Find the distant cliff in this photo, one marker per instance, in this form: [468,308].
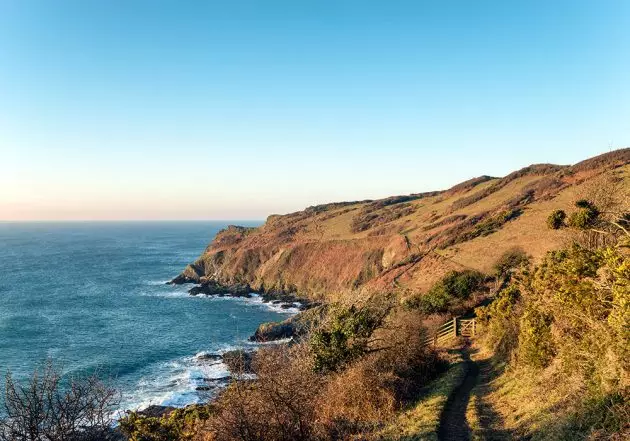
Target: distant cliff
[401,242]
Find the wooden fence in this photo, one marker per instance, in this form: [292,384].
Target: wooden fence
[464,327]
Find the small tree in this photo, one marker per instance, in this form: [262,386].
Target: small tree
[346,337]
[47,408]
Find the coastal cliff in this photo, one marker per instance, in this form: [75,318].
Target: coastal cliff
[401,242]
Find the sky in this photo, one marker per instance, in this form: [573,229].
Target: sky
[148,110]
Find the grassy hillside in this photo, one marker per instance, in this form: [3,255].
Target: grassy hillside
[403,242]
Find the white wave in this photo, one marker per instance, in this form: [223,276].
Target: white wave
[256,299]
[176,383]
[280,341]
[167,294]
[156,282]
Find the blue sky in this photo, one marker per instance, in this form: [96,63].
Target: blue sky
[238,109]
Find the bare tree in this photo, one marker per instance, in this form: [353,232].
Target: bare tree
[49,408]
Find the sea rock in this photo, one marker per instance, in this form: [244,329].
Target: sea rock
[181,279]
[205,356]
[292,327]
[213,288]
[213,383]
[156,411]
[239,361]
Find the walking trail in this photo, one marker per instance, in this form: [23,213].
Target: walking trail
[454,425]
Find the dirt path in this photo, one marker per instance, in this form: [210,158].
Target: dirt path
[453,423]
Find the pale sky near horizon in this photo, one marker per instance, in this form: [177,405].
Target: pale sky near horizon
[239,109]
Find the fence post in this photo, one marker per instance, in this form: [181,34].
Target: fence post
[454,326]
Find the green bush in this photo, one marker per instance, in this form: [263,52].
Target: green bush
[586,217]
[178,425]
[434,301]
[555,221]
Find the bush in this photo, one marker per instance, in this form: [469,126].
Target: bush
[509,261]
[277,406]
[500,321]
[435,301]
[49,408]
[585,217]
[536,346]
[346,337]
[454,288]
[556,219]
[178,425]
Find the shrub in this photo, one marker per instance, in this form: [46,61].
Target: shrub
[372,389]
[277,406]
[178,425]
[434,301]
[556,219]
[536,347]
[292,399]
[346,336]
[585,217]
[49,408]
[500,320]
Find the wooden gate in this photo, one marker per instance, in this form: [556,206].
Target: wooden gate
[452,329]
[466,327]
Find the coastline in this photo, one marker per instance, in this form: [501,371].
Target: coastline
[203,375]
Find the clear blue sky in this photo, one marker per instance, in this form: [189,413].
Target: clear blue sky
[237,109]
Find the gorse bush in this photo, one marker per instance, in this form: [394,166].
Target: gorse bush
[536,346]
[178,425]
[500,320]
[572,311]
[575,305]
[586,217]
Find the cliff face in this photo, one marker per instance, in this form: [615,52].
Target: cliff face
[404,242]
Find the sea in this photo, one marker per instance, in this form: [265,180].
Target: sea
[92,297]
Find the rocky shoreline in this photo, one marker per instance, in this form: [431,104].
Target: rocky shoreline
[266,332]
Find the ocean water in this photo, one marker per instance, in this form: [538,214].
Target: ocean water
[92,296]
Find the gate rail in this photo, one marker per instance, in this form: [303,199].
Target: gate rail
[465,327]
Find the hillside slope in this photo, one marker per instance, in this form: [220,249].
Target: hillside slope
[402,242]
